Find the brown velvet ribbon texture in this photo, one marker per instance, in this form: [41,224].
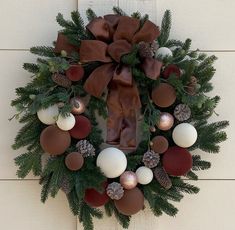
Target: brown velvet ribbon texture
[115,36]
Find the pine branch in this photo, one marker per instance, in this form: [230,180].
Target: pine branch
[165,28]
[44,51]
[119,11]
[86,214]
[199,164]
[90,14]
[31,68]
[28,162]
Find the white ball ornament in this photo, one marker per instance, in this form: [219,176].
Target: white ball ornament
[144,175]
[184,135]
[163,52]
[66,123]
[49,115]
[112,162]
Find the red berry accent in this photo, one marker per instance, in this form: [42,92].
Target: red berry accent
[95,198]
[75,72]
[177,161]
[82,127]
[171,69]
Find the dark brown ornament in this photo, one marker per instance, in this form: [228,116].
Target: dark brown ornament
[131,202]
[171,70]
[160,144]
[162,177]
[177,161]
[74,161]
[54,140]
[85,148]
[164,95]
[115,191]
[61,80]
[182,112]
[75,72]
[151,159]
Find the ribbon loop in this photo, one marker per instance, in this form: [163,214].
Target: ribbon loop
[148,33]
[94,50]
[123,75]
[118,48]
[126,28]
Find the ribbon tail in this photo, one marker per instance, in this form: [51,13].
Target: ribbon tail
[99,79]
[152,68]
[123,101]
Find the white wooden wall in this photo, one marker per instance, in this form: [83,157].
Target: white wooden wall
[24,23]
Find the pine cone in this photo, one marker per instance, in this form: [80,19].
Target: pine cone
[182,112]
[145,50]
[151,159]
[115,191]
[162,177]
[192,86]
[85,148]
[65,185]
[61,80]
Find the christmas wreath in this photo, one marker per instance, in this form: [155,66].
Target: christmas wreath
[124,69]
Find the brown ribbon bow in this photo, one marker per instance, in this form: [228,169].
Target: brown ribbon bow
[115,37]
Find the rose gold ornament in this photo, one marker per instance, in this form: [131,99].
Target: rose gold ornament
[128,180]
[166,121]
[78,105]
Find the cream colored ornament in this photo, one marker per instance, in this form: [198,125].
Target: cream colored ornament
[184,135]
[112,162]
[163,52]
[49,115]
[66,123]
[144,175]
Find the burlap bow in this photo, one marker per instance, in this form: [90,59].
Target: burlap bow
[115,36]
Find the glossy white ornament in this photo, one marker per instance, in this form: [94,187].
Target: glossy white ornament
[66,123]
[49,115]
[144,175]
[163,52]
[112,162]
[184,135]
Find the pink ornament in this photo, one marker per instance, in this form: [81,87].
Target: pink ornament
[78,106]
[128,180]
[166,121]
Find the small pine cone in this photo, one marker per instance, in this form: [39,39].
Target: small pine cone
[192,86]
[182,112]
[85,148]
[145,50]
[61,80]
[151,159]
[162,177]
[115,191]
[65,185]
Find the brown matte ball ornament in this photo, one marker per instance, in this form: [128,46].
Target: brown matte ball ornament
[131,203]
[78,106]
[164,95]
[165,122]
[159,144]
[74,161]
[177,161]
[54,140]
